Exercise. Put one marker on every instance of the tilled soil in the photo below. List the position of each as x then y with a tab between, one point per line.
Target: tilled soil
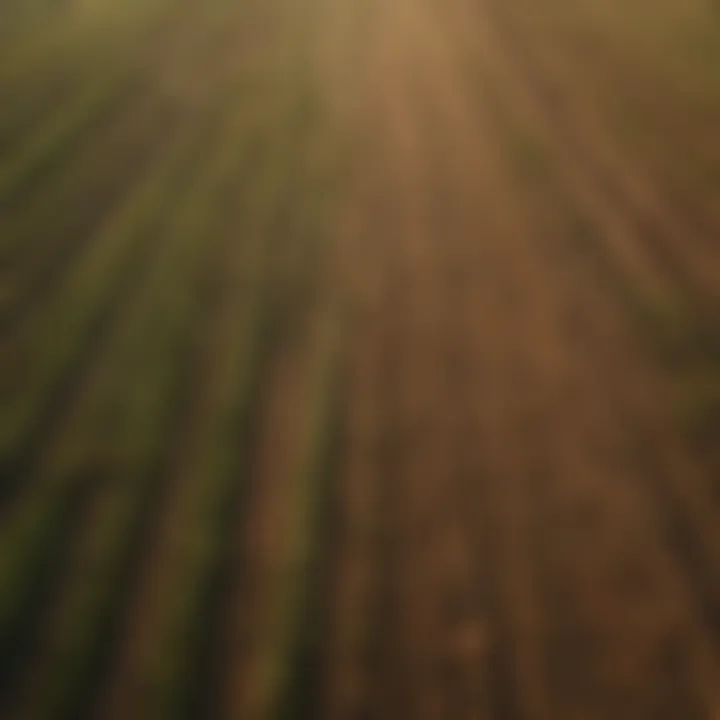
385	385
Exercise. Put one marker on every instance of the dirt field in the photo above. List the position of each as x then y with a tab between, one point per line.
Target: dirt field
360	359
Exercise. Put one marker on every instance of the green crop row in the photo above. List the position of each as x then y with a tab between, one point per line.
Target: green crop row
23	537
59	136
150	380
41	243
54	341
96	72
286	680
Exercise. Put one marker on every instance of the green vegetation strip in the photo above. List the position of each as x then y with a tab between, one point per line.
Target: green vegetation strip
76	39
39	244
28	534
64	129
99	77
174	675
26	107
171	677
291	658
88	46
150	381
53	342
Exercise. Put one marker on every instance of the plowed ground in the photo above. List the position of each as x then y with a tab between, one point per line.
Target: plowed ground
360	359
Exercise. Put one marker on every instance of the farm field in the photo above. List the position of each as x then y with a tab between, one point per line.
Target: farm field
360	360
